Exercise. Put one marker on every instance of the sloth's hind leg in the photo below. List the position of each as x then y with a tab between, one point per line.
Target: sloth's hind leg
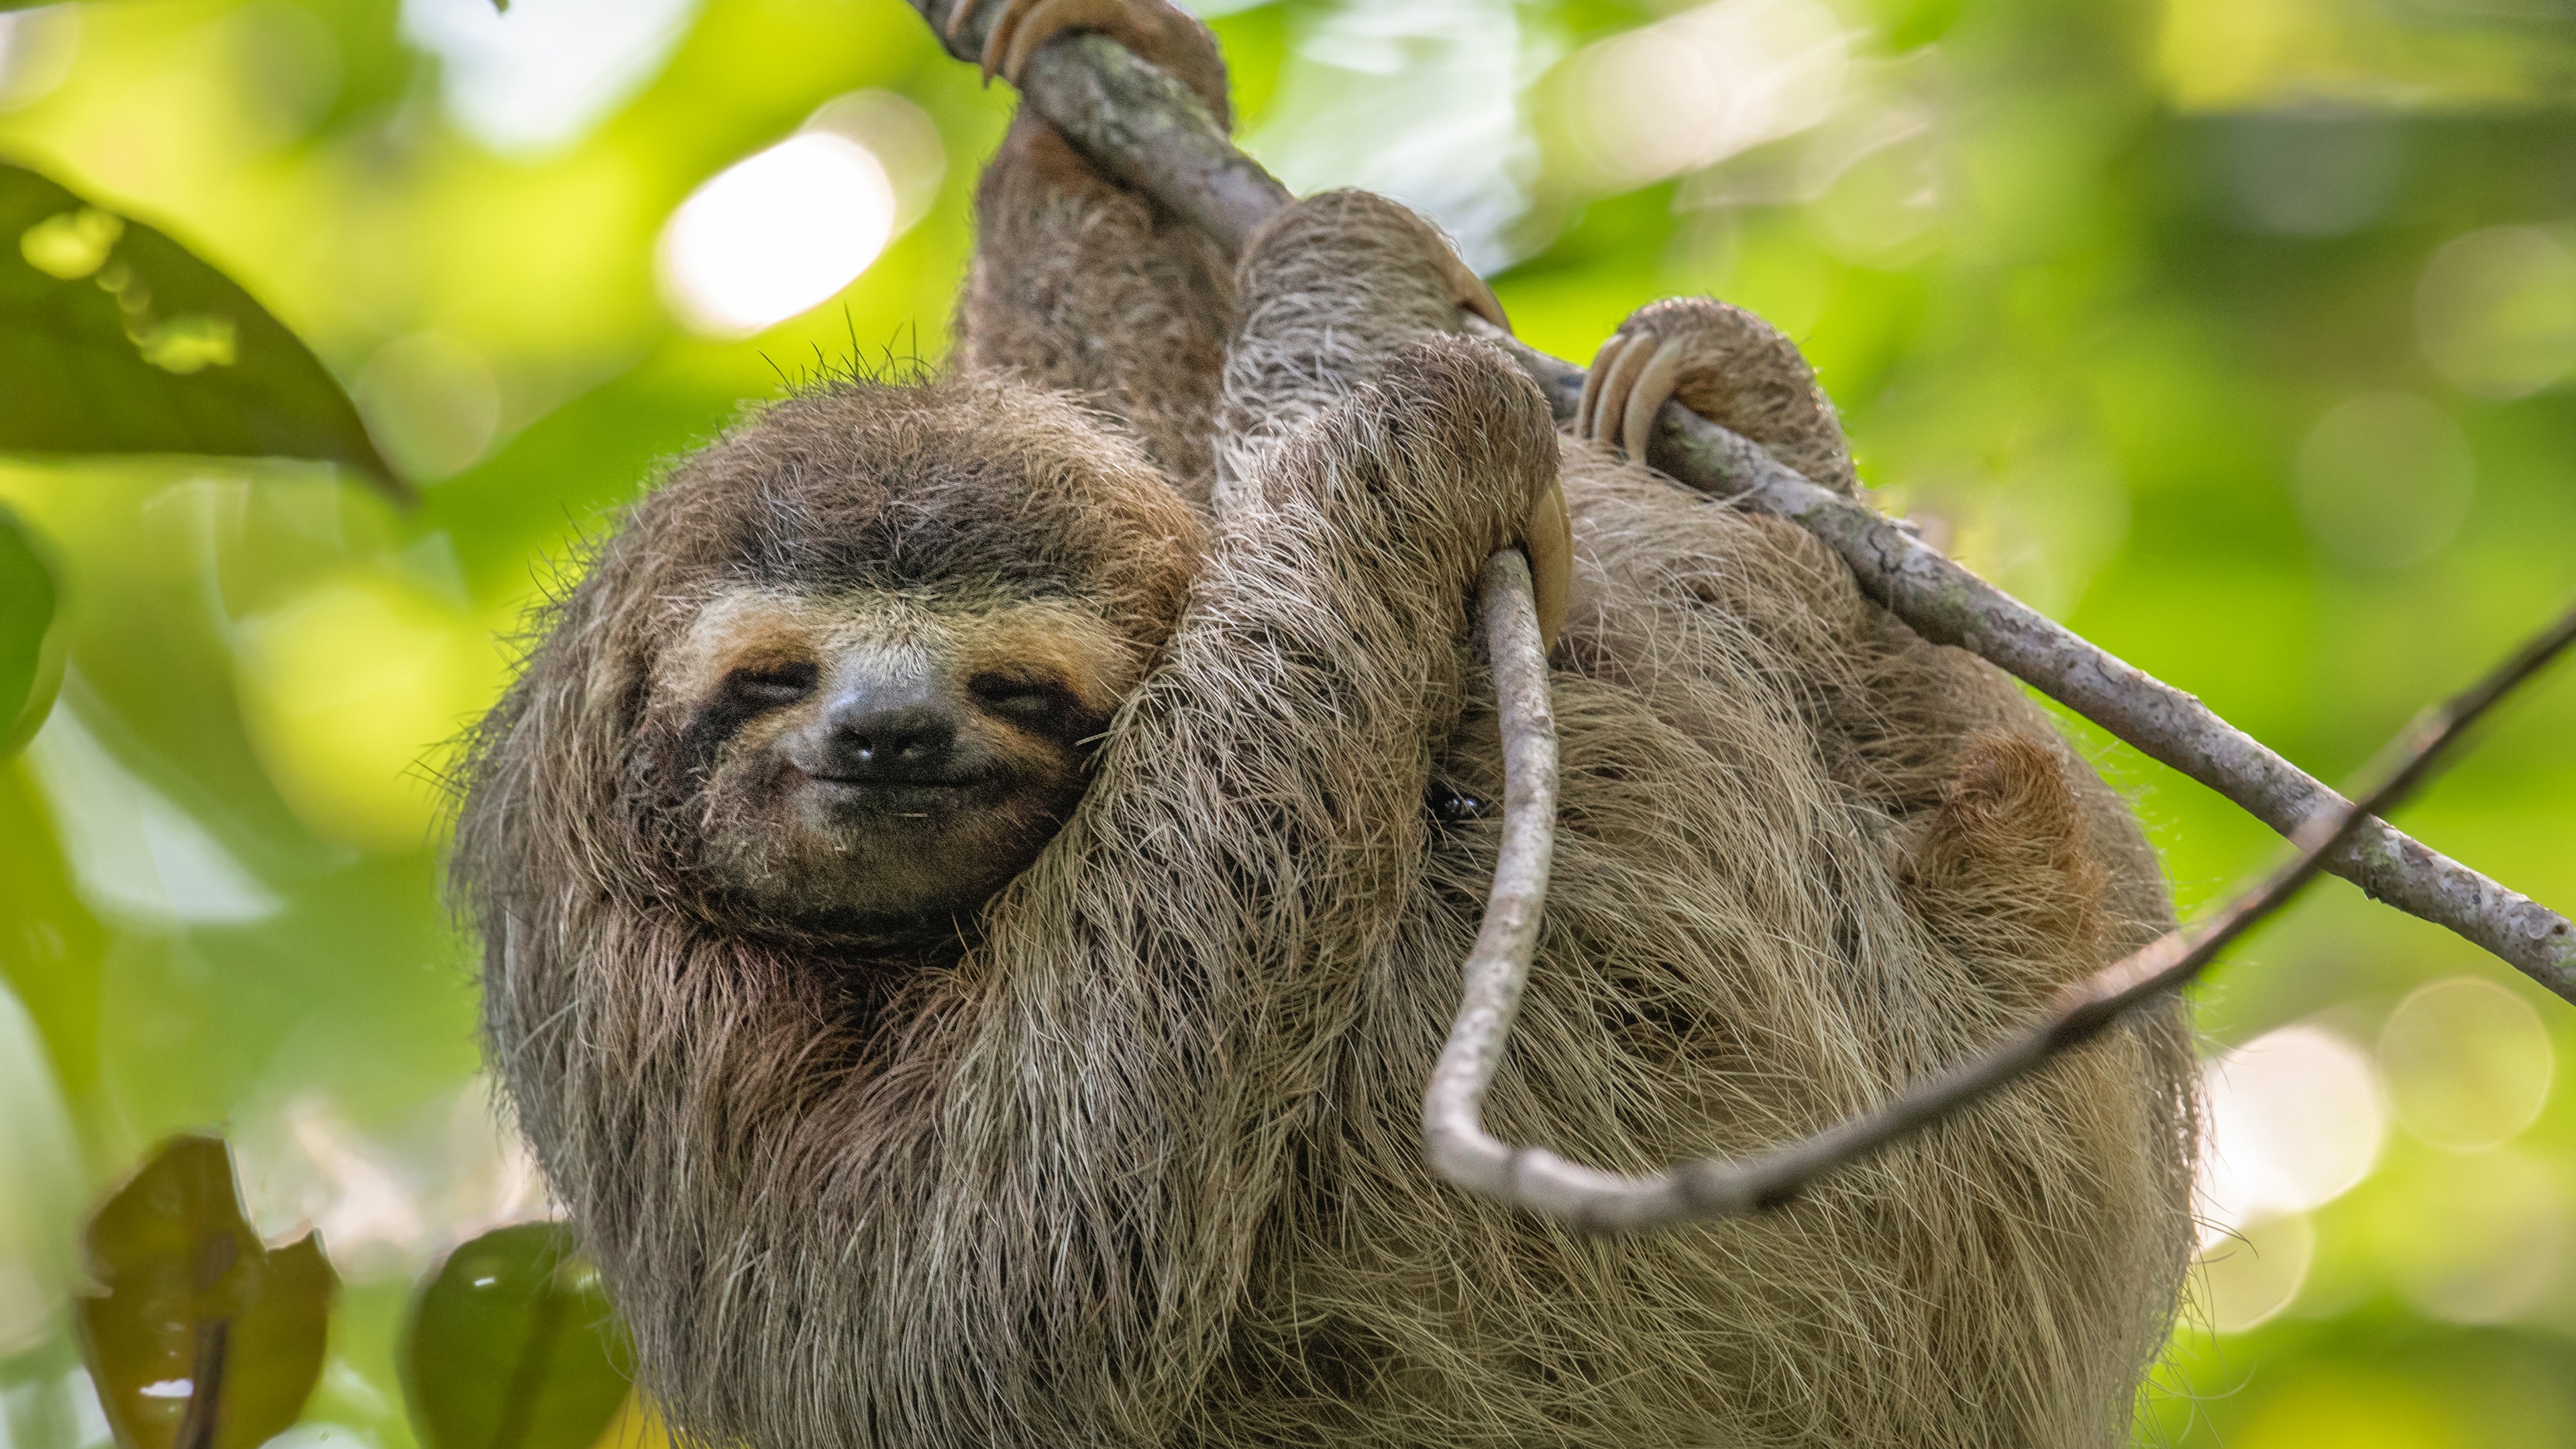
1725	364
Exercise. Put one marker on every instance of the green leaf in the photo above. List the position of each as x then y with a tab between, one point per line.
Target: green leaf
204	1337
512	1344
115	339
31	659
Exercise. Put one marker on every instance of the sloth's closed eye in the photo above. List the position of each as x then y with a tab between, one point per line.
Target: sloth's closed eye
770	686
1033	700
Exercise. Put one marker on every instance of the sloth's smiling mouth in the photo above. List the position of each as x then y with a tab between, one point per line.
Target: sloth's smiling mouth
906	799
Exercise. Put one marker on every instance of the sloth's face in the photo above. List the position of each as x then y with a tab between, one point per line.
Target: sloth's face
874	760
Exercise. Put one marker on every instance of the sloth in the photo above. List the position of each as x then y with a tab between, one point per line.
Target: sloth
974	875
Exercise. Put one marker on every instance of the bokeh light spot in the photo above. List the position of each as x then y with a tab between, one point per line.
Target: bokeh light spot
36	48
2294	1122
2467	1063
1691	90
2495	310
543	72
2385	479
1875	193
2250	1276
776	234
430	402
900	135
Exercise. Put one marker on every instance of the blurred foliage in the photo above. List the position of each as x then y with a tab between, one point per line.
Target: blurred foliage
29	672
121	342
2236	333
513	1345
200	1336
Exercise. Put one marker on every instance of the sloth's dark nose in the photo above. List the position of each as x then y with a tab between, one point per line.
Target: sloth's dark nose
893	736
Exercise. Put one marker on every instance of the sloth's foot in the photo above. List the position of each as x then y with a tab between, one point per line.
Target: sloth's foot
1146	27
1725	364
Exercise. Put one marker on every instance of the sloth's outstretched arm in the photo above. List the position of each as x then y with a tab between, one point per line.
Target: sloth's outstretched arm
1083	284
1329	290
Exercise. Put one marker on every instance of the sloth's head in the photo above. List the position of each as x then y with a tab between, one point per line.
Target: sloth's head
843	669
859	756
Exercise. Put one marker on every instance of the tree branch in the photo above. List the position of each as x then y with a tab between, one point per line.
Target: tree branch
1148	131
1497	972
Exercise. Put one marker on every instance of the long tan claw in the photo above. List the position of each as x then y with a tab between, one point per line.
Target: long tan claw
957	17
1587	411
1646	395
1547	536
1469	291
1618	377
1025	26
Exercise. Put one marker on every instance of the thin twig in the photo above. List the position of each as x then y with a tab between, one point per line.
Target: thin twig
1148	131
1535	1178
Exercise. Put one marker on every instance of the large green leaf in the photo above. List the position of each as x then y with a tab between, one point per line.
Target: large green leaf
29	670
204	1337
115	339
512	1344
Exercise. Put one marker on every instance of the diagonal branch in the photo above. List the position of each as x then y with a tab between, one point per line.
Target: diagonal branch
1535	1178
1148	131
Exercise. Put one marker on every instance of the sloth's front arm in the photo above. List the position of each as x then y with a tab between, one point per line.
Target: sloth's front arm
1260	798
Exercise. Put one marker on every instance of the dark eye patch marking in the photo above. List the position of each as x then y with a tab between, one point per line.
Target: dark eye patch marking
746	693
1035	701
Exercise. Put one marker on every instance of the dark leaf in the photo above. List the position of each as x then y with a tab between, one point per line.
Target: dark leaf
512	1345
115	339
204	1338
29	671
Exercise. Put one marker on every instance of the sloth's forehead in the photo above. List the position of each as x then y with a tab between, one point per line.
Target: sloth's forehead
752	625
938	537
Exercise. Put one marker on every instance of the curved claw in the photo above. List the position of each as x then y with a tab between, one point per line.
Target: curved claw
1587	409
1653	384
1610	410
957	17
1547	536
1025	26
1470	292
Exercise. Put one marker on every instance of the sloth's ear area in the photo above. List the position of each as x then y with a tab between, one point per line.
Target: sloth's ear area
2006	849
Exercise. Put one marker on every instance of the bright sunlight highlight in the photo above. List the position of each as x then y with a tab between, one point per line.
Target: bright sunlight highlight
776	233
2294	1122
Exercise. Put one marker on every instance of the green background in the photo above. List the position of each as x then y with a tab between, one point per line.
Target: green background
2235	333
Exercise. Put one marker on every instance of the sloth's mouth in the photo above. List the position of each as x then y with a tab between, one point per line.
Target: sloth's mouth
901	798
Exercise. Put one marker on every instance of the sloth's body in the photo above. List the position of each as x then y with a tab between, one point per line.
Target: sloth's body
974	891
